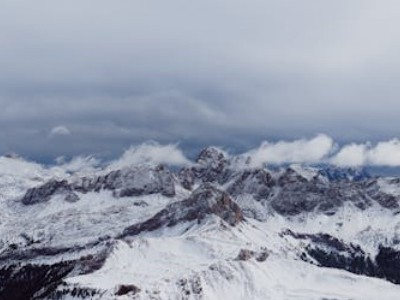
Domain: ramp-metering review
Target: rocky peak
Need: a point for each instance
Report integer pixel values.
(212, 165)
(204, 201)
(212, 157)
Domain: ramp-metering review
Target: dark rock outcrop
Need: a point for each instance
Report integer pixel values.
(127, 289)
(256, 182)
(204, 201)
(66, 291)
(332, 252)
(134, 181)
(187, 178)
(290, 176)
(25, 275)
(49, 189)
(32, 281)
(211, 166)
(246, 254)
(388, 264)
(373, 190)
(301, 196)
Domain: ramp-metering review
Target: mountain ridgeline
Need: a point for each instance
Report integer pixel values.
(60, 233)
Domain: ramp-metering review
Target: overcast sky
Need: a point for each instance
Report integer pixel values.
(98, 76)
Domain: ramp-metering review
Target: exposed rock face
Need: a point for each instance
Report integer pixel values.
(373, 191)
(32, 281)
(388, 263)
(332, 252)
(24, 274)
(187, 178)
(292, 194)
(212, 158)
(211, 166)
(246, 254)
(134, 181)
(127, 289)
(290, 176)
(295, 190)
(298, 197)
(298, 190)
(46, 191)
(40, 281)
(65, 291)
(204, 201)
(256, 182)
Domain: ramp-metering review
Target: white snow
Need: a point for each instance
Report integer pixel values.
(164, 267)
(306, 172)
(196, 261)
(390, 188)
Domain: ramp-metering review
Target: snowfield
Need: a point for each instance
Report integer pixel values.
(211, 230)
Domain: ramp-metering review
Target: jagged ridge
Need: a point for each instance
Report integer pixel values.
(204, 201)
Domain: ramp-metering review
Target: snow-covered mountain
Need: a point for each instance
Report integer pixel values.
(215, 229)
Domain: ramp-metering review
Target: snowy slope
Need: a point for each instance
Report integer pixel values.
(215, 229)
(201, 264)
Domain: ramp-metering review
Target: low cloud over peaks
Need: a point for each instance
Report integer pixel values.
(151, 152)
(386, 153)
(321, 149)
(351, 155)
(298, 151)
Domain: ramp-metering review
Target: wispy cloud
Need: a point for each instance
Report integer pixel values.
(59, 131)
(151, 152)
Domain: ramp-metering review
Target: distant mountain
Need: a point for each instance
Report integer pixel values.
(216, 229)
(336, 173)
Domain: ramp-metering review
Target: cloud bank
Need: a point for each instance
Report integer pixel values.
(299, 151)
(385, 153)
(117, 73)
(320, 149)
(323, 149)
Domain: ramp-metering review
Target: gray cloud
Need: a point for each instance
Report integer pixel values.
(213, 72)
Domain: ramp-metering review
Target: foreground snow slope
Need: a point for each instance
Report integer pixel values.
(202, 263)
(217, 229)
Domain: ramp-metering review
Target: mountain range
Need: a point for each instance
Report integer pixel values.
(218, 228)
